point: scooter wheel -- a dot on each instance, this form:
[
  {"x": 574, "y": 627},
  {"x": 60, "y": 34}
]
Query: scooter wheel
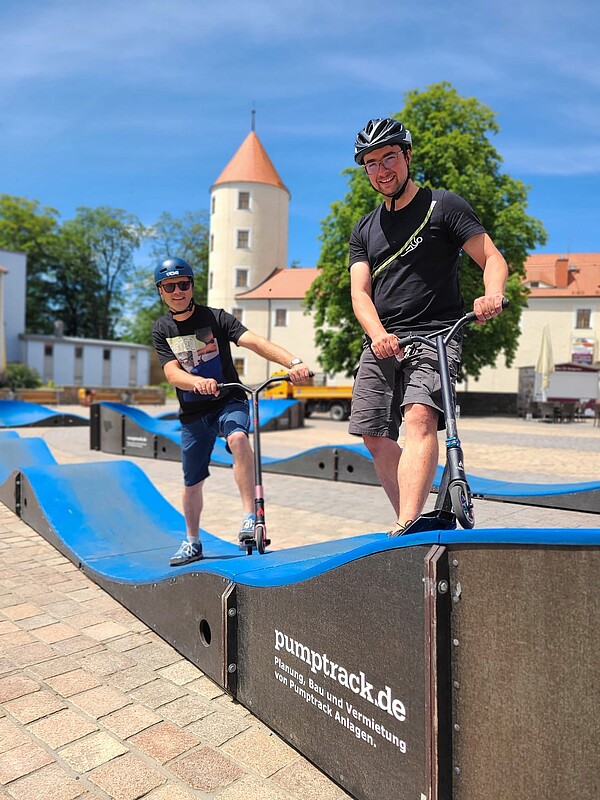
[
  {"x": 261, "y": 542},
  {"x": 462, "y": 505}
]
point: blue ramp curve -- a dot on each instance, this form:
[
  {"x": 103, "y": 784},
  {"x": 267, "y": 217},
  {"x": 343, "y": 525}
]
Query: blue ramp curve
[
  {"x": 16, "y": 454},
  {"x": 130, "y": 431},
  {"x": 21, "y": 414}
]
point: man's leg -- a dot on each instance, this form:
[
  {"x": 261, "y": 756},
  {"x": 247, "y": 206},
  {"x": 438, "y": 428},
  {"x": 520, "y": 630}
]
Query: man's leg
[
  {"x": 417, "y": 466},
  {"x": 243, "y": 468},
  {"x": 193, "y": 502},
  {"x": 386, "y": 457}
]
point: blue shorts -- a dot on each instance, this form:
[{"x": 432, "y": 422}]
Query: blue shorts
[{"x": 198, "y": 437}]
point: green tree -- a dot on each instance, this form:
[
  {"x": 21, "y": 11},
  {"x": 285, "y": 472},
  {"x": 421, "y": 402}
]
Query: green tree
[
  {"x": 171, "y": 237},
  {"x": 28, "y": 227},
  {"x": 452, "y": 151},
  {"x": 108, "y": 237},
  {"x": 76, "y": 284}
]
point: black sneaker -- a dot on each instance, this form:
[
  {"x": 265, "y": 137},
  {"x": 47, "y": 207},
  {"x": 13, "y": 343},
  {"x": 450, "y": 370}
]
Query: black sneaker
[{"x": 188, "y": 552}]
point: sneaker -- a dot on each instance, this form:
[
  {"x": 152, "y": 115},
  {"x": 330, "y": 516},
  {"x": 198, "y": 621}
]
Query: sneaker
[
  {"x": 399, "y": 530},
  {"x": 188, "y": 552},
  {"x": 247, "y": 529}
]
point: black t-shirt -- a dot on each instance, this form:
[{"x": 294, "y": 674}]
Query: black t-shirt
[
  {"x": 201, "y": 344},
  {"x": 418, "y": 288}
]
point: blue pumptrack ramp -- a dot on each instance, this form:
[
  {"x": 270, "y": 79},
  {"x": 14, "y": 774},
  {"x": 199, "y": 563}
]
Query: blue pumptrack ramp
[
  {"x": 21, "y": 414},
  {"x": 133, "y": 432},
  {"x": 263, "y": 627}
]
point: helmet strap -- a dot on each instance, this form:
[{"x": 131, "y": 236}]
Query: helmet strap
[
  {"x": 400, "y": 191},
  {"x": 185, "y": 311}
]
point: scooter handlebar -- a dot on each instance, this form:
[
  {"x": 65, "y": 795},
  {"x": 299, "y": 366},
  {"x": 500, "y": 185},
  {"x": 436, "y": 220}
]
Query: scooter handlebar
[
  {"x": 471, "y": 316},
  {"x": 276, "y": 379}
]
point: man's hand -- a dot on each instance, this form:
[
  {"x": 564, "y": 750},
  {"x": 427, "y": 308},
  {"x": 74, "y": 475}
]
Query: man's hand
[
  {"x": 386, "y": 345},
  {"x": 206, "y": 386},
  {"x": 488, "y": 306},
  {"x": 300, "y": 373}
]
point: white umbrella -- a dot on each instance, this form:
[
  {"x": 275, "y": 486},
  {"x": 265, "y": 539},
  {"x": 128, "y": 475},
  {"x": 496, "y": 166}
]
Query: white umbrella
[{"x": 544, "y": 367}]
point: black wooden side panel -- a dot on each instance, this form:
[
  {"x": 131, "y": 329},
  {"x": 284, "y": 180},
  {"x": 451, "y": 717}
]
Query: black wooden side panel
[
  {"x": 525, "y": 668},
  {"x": 364, "y": 721}
]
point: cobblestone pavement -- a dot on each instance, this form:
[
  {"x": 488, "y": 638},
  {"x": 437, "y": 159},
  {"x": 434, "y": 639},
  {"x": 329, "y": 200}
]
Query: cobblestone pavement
[{"x": 96, "y": 705}]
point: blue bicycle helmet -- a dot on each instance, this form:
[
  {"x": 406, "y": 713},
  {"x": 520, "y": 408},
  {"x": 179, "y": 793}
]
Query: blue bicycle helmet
[{"x": 172, "y": 268}]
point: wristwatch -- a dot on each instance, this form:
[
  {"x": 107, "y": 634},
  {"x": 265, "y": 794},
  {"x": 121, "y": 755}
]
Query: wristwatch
[{"x": 294, "y": 362}]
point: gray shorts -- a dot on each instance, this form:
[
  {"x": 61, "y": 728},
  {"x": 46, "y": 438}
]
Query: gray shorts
[{"x": 383, "y": 387}]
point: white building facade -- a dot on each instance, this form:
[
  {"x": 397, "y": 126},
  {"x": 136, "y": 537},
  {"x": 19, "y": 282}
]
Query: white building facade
[{"x": 71, "y": 361}]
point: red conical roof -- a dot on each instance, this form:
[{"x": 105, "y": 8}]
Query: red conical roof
[{"x": 251, "y": 163}]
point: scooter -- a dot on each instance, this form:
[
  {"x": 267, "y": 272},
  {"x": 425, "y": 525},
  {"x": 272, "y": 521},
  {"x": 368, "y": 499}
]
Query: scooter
[
  {"x": 454, "y": 501},
  {"x": 260, "y": 541}
]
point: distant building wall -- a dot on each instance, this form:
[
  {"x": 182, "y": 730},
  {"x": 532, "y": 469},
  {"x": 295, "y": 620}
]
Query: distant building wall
[
  {"x": 568, "y": 340},
  {"x": 13, "y": 311},
  {"x": 69, "y": 361}
]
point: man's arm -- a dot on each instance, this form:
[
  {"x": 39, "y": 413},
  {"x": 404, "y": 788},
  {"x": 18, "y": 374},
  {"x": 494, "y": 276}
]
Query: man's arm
[
  {"x": 495, "y": 273},
  {"x": 273, "y": 352},
  {"x": 178, "y": 377},
  {"x": 383, "y": 344}
]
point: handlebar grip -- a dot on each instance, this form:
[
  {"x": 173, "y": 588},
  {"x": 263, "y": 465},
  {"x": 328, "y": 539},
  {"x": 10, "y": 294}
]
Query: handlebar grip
[{"x": 404, "y": 341}]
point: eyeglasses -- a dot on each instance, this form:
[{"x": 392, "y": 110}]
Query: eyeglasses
[
  {"x": 388, "y": 162},
  {"x": 169, "y": 288}
]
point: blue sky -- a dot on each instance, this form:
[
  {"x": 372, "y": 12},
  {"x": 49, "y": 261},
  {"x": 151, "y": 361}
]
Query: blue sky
[{"x": 139, "y": 105}]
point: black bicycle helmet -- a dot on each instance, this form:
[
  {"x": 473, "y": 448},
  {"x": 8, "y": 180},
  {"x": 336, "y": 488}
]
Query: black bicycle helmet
[{"x": 379, "y": 132}]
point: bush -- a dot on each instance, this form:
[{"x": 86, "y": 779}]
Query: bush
[{"x": 19, "y": 376}]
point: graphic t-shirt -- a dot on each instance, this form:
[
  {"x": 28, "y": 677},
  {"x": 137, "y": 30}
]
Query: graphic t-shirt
[
  {"x": 201, "y": 345},
  {"x": 413, "y": 255}
]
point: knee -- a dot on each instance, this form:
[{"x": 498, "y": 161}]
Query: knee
[
  {"x": 238, "y": 443},
  {"x": 421, "y": 420},
  {"x": 378, "y": 445}
]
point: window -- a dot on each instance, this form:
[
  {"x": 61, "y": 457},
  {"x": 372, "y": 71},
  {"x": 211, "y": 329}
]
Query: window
[
  {"x": 237, "y": 313},
  {"x": 583, "y": 318},
  {"x": 243, "y": 240},
  {"x": 213, "y": 204},
  {"x": 244, "y": 201},
  {"x": 48, "y": 349},
  {"x": 281, "y": 317},
  {"x": 106, "y": 355},
  {"x": 212, "y": 242},
  {"x": 240, "y": 366},
  {"x": 79, "y": 352},
  {"x": 241, "y": 279},
  {"x": 210, "y": 280}
]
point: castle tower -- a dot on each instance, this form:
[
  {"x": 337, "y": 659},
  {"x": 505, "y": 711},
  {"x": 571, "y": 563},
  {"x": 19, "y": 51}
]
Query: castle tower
[{"x": 249, "y": 206}]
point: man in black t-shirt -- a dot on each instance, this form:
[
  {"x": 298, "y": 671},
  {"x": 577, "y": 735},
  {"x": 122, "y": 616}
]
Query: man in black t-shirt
[
  {"x": 193, "y": 344},
  {"x": 404, "y": 278}
]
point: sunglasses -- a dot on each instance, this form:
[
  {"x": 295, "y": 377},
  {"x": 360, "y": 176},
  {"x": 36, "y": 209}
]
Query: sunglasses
[{"x": 169, "y": 288}]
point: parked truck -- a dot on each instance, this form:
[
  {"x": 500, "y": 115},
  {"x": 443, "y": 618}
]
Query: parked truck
[{"x": 332, "y": 400}]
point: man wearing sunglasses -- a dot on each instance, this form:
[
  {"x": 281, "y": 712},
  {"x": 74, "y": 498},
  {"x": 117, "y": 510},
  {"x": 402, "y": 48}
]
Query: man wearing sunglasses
[
  {"x": 403, "y": 264},
  {"x": 193, "y": 343}
]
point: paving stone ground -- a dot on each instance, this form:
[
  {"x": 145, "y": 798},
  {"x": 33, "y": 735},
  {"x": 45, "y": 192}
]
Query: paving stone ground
[{"x": 94, "y": 705}]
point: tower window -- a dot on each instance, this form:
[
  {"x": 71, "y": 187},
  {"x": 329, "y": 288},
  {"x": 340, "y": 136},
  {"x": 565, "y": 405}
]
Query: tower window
[
  {"x": 244, "y": 201},
  {"x": 213, "y": 203},
  {"x": 212, "y": 242},
  {"x": 241, "y": 279},
  {"x": 243, "y": 240}
]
